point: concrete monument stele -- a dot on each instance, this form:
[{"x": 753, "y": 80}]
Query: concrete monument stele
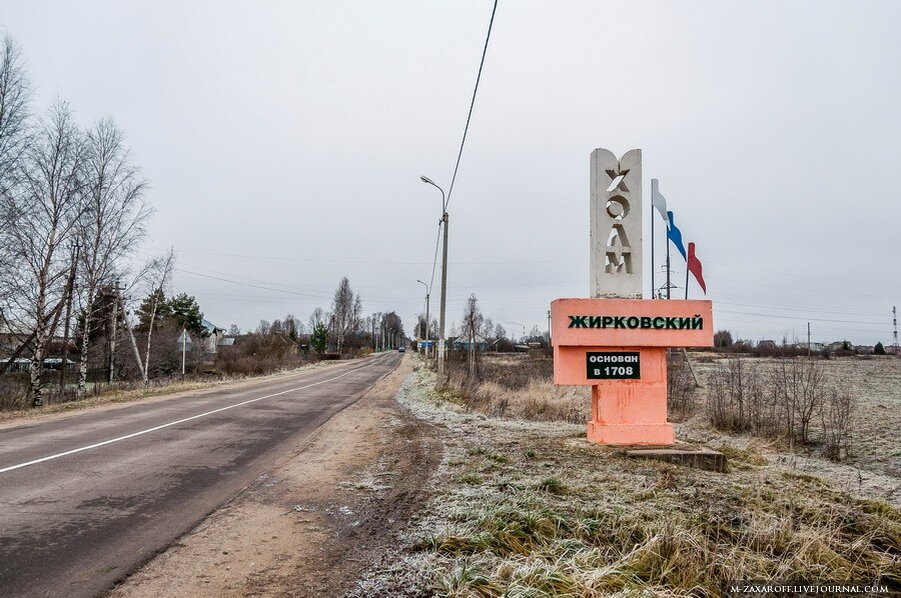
[{"x": 616, "y": 341}]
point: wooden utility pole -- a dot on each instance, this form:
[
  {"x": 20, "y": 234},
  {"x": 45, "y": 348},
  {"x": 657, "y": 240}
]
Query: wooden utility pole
[
  {"x": 113, "y": 326},
  {"x": 70, "y": 291},
  {"x": 549, "y": 344}
]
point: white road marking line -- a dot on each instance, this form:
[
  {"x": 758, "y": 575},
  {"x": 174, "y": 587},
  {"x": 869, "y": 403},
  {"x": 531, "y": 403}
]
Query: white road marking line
[{"x": 181, "y": 421}]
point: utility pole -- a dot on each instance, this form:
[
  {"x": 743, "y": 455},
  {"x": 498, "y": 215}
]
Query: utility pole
[
  {"x": 808, "y": 340},
  {"x": 427, "y": 293},
  {"x": 549, "y": 324},
  {"x": 439, "y": 383},
  {"x": 113, "y": 327},
  {"x": 70, "y": 290}
]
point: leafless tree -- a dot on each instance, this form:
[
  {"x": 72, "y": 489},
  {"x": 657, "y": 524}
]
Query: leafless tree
[
  {"x": 800, "y": 385},
  {"x": 44, "y": 210},
  {"x": 159, "y": 275},
  {"x": 392, "y": 328},
  {"x": 837, "y": 416},
  {"x": 112, "y": 224},
  {"x": 347, "y": 310},
  {"x": 15, "y": 93},
  {"x": 317, "y": 317},
  {"x": 472, "y": 329},
  {"x": 293, "y": 328}
]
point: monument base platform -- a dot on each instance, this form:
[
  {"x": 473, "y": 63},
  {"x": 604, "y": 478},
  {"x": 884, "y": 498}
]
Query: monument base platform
[
  {"x": 631, "y": 434},
  {"x": 699, "y": 458}
]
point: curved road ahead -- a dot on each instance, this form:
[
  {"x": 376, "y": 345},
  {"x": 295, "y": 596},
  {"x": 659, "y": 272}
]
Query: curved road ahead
[{"x": 86, "y": 498}]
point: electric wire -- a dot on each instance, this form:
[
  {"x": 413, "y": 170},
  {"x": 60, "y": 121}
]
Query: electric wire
[
  {"x": 472, "y": 104},
  {"x": 435, "y": 259}
]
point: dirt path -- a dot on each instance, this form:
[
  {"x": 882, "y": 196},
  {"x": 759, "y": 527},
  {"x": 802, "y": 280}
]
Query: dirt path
[{"x": 314, "y": 523}]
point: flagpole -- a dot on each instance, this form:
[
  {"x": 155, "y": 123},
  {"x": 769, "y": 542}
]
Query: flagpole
[
  {"x": 667, "y": 269},
  {"x": 686, "y": 279},
  {"x": 653, "y": 266}
]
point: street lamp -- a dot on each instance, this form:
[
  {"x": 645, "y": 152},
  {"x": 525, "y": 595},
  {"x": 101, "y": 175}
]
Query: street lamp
[
  {"x": 439, "y": 384},
  {"x": 427, "y": 293}
]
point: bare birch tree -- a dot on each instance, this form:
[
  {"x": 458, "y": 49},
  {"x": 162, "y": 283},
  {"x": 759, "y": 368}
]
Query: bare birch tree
[
  {"x": 472, "y": 328},
  {"x": 159, "y": 273},
  {"x": 43, "y": 212},
  {"x": 112, "y": 223},
  {"x": 15, "y": 93},
  {"x": 346, "y": 311}
]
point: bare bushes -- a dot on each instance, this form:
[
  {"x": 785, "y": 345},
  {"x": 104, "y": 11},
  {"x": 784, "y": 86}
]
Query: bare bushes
[
  {"x": 681, "y": 387},
  {"x": 13, "y": 392},
  {"x": 799, "y": 385},
  {"x": 736, "y": 400},
  {"x": 780, "y": 400},
  {"x": 256, "y": 354},
  {"x": 516, "y": 385},
  {"x": 836, "y": 421}
]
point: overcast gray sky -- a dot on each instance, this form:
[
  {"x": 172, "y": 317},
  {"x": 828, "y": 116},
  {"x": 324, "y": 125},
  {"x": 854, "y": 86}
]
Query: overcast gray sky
[{"x": 284, "y": 142}]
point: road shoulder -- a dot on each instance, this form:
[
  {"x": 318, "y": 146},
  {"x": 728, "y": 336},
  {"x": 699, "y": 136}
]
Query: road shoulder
[
  {"x": 129, "y": 398},
  {"x": 309, "y": 527}
]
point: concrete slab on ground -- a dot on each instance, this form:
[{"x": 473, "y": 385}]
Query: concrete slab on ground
[{"x": 697, "y": 457}]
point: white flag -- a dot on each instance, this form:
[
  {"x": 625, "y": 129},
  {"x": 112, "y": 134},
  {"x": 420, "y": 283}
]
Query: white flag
[{"x": 658, "y": 201}]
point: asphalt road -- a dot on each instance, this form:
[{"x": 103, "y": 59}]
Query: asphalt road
[{"x": 73, "y": 524}]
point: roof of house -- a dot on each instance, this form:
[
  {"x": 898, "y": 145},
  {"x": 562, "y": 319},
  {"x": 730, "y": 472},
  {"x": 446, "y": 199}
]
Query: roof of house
[{"x": 210, "y": 327}]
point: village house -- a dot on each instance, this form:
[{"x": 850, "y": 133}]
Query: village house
[{"x": 210, "y": 340}]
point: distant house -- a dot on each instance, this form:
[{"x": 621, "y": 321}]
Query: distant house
[
  {"x": 812, "y": 346},
  {"x": 211, "y": 337},
  {"x": 864, "y": 349},
  {"x": 226, "y": 341},
  {"x": 209, "y": 340},
  {"x": 766, "y": 344},
  {"x": 464, "y": 345},
  {"x": 23, "y": 364}
]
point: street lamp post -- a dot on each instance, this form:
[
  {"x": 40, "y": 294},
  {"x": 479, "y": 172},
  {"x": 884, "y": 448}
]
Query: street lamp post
[
  {"x": 427, "y": 293},
  {"x": 439, "y": 384}
]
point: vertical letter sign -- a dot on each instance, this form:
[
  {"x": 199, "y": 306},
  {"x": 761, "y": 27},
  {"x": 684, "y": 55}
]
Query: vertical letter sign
[{"x": 616, "y": 341}]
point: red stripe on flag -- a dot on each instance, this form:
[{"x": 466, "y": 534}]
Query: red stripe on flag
[{"x": 694, "y": 266}]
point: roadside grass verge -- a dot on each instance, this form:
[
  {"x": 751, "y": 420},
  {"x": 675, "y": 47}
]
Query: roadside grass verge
[
  {"x": 135, "y": 392},
  {"x": 531, "y": 509}
]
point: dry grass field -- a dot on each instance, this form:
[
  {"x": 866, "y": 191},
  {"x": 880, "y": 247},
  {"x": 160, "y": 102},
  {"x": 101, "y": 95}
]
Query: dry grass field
[
  {"x": 519, "y": 386},
  {"x": 529, "y": 508}
]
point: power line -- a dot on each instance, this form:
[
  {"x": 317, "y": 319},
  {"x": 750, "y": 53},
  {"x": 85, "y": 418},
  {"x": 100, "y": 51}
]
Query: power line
[
  {"x": 746, "y": 313},
  {"x": 435, "y": 259},
  {"x": 373, "y": 262},
  {"x": 794, "y": 274},
  {"x": 472, "y": 103}
]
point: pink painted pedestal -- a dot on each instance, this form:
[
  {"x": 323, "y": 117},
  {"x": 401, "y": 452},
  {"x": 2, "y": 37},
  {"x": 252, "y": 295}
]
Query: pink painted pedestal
[{"x": 625, "y": 411}]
